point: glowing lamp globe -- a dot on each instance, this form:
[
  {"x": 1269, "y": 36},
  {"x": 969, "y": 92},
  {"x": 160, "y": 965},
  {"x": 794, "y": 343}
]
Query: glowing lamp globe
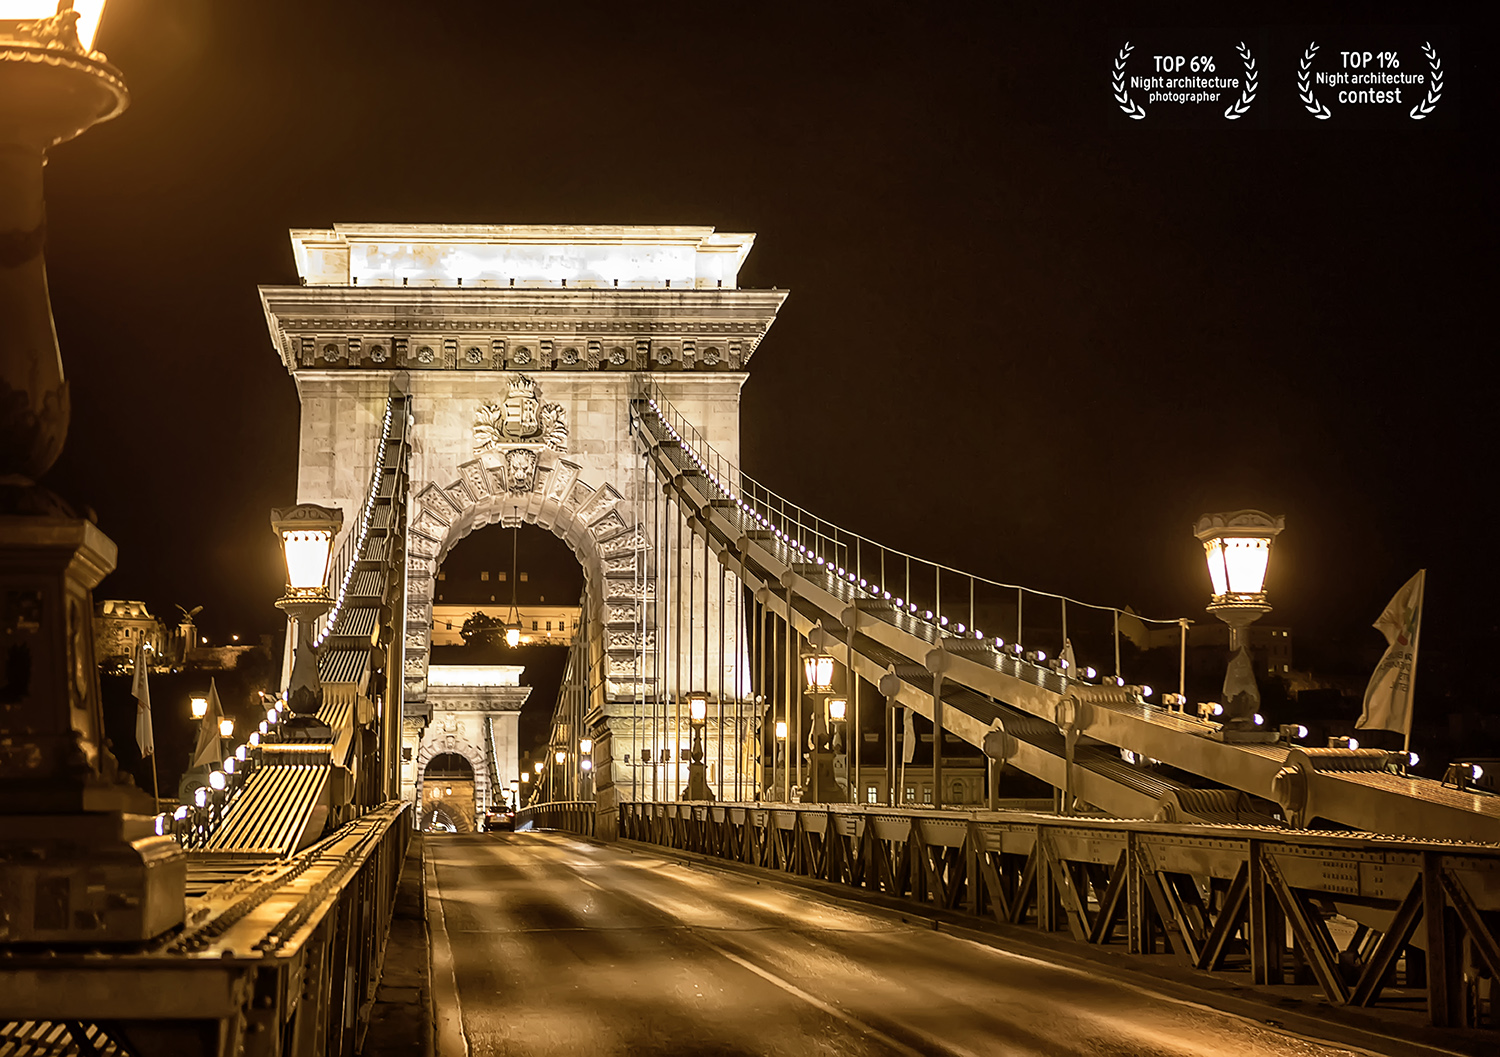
[
  {"x": 226, "y": 727},
  {"x": 200, "y": 707},
  {"x": 89, "y": 13},
  {"x": 818, "y": 670},
  {"x": 307, "y": 532},
  {"x": 513, "y": 635},
  {"x": 217, "y": 779},
  {"x": 587, "y": 765},
  {"x": 698, "y": 708},
  {"x": 1237, "y": 547},
  {"x": 837, "y": 708},
  {"x": 781, "y": 730},
  {"x": 586, "y": 746},
  {"x": 560, "y": 756},
  {"x": 538, "y": 767}
]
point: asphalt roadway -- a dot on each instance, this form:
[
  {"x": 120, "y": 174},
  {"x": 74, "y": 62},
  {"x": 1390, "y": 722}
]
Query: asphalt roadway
[{"x": 545, "y": 944}]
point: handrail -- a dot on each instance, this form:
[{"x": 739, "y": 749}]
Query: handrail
[
  {"x": 949, "y": 599},
  {"x": 342, "y": 570}
]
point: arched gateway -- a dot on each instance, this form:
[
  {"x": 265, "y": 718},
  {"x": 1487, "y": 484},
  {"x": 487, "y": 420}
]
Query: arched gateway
[{"x": 522, "y": 349}]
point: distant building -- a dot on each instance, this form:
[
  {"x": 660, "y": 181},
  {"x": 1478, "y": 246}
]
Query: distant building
[
  {"x": 477, "y": 578},
  {"x": 120, "y": 627},
  {"x": 1208, "y": 644}
]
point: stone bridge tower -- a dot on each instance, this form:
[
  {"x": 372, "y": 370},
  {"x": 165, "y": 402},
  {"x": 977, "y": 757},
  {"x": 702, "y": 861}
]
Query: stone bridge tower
[{"x": 522, "y": 348}]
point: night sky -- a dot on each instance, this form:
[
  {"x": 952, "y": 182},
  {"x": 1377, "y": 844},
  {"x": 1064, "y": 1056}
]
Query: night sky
[{"x": 1026, "y": 336}]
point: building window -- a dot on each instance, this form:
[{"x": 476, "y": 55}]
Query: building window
[
  {"x": 957, "y": 793},
  {"x": 533, "y": 625},
  {"x": 911, "y": 794},
  {"x": 870, "y": 795},
  {"x": 485, "y": 576},
  {"x": 502, "y": 575},
  {"x": 549, "y": 625},
  {"x": 927, "y": 794},
  {"x": 442, "y": 576},
  {"x": 523, "y": 578}
]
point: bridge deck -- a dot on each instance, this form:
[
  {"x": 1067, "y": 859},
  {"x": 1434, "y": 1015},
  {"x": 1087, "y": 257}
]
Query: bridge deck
[{"x": 563, "y": 946}]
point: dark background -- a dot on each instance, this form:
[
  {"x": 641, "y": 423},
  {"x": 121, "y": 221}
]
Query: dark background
[{"x": 1026, "y": 337}]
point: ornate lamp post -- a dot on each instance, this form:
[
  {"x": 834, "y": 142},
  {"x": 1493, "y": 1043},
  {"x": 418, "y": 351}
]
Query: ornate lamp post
[
  {"x": 697, "y": 785},
  {"x": 778, "y": 752},
  {"x": 817, "y": 669},
  {"x": 93, "y": 869},
  {"x": 307, "y": 533},
  {"x": 1238, "y": 550},
  {"x": 838, "y": 709}
]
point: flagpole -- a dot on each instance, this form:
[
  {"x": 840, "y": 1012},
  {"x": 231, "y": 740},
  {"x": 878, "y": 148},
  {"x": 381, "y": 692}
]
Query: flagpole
[
  {"x": 155, "y": 787},
  {"x": 1411, "y": 686}
]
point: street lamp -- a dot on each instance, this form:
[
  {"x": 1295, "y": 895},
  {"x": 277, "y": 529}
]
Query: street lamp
[
  {"x": 778, "y": 751},
  {"x": 200, "y": 707},
  {"x": 817, "y": 668},
  {"x": 1237, "y": 547},
  {"x": 307, "y": 533},
  {"x": 226, "y": 727},
  {"x": 697, "y": 784}
]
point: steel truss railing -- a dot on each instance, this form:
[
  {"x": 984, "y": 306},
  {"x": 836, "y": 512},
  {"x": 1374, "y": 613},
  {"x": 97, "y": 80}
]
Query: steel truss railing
[
  {"x": 279, "y": 956},
  {"x": 569, "y": 816},
  {"x": 1362, "y": 917}
]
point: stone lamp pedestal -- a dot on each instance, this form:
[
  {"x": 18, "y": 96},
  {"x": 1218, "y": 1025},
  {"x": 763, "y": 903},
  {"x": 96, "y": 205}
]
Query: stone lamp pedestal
[{"x": 80, "y": 860}]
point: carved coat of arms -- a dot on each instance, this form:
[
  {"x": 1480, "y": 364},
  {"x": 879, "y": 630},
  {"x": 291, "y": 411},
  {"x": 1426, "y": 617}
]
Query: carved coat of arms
[{"x": 510, "y": 436}]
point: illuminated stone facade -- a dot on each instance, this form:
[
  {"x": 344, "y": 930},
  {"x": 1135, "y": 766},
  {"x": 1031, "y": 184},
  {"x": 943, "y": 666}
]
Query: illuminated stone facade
[
  {"x": 473, "y": 712},
  {"x": 523, "y": 349},
  {"x": 120, "y": 627}
]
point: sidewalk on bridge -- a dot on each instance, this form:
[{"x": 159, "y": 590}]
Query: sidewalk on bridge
[{"x": 401, "y": 1017}]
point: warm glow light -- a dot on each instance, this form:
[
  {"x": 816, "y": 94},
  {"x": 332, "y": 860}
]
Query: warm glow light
[
  {"x": 89, "y": 13},
  {"x": 525, "y": 777},
  {"x": 512, "y": 636},
  {"x": 226, "y": 727},
  {"x": 559, "y": 755},
  {"x": 781, "y": 730},
  {"x": 1237, "y": 565},
  {"x": 538, "y": 767},
  {"x": 200, "y": 796},
  {"x": 255, "y": 737},
  {"x": 271, "y": 716},
  {"x": 217, "y": 779},
  {"x": 819, "y": 672},
  {"x": 586, "y": 764},
  {"x": 837, "y": 707},
  {"x": 229, "y": 765},
  {"x": 240, "y": 753},
  {"x": 586, "y": 746},
  {"x": 698, "y": 708},
  {"x": 200, "y": 707},
  {"x": 306, "y": 557}
]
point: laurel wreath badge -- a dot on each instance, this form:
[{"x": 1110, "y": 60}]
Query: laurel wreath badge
[
  {"x": 1130, "y": 106},
  {"x": 1434, "y": 84},
  {"x": 1239, "y": 107},
  {"x": 1304, "y": 85}
]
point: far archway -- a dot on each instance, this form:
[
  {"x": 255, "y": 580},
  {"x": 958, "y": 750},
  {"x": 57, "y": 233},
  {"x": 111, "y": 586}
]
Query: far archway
[{"x": 448, "y": 793}]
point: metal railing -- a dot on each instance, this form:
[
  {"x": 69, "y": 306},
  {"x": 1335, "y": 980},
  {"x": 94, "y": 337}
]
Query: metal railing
[
  {"x": 569, "y": 816},
  {"x": 341, "y": 570},
  {"x": 951, "y": 601},
  {"x": 1357, "y": 916}
]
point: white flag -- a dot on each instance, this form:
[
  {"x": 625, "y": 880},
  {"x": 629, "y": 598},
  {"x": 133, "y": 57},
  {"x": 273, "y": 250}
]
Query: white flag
[
  {"x": 140, "y": 689},
  {"x": 1388, "y": 697},
  {"x": 208, "y": 751},
  {"x": 909, "y": 743}
]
